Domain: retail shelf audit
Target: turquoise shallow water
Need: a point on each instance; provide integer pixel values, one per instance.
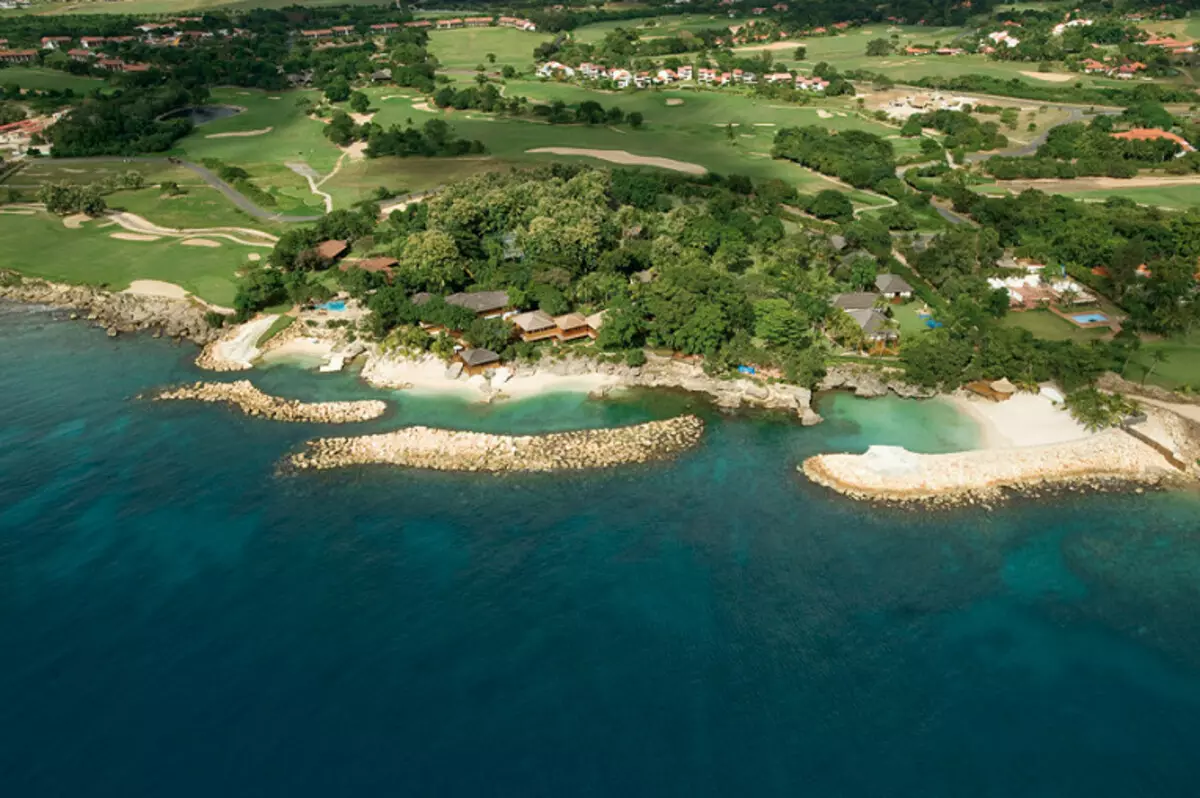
(176, 618)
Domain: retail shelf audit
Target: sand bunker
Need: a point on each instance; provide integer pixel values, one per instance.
(17, 212)
(625, 158)
(764, 124)
(424, 106)
(824, 114)
(199, 242)
(156, 288)
(254, 256)
(674, 101)
(75, 220)
(238, 134)
(1052, 77)
(356, 151)
(133, 237)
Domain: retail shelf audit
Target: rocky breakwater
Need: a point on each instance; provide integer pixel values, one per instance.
(253, 402)
(115, 312)
(894, 474)
(451, 450)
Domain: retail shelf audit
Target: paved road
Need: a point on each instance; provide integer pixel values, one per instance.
(1074, 114)
(236, 197)
(208, 176)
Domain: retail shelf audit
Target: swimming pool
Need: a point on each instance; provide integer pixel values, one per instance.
(1089, 318)
(336, 307)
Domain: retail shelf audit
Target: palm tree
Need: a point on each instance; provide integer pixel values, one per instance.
(1157, 357)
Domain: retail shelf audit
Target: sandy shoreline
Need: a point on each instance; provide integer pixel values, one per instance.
(1026, 419)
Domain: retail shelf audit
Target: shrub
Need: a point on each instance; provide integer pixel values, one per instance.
(635, 358)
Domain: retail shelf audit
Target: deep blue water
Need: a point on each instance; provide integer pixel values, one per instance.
(176, 619)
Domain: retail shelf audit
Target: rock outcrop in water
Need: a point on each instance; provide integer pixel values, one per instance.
(451, 450)
(253, 402)
(870, 382)
(116, 312)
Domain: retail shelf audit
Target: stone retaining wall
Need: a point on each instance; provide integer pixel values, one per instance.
(253, 402)
(451, 450)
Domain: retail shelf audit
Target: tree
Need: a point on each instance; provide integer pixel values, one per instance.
(879, 47)
(508, 72)
(831, 204)
(1157, 358)
(623, 327)
(431, 260)
(800, 53)
(337, 90)
(635, 119)
(781, 325)
(491, 58)
(493, 334)
(359, 102)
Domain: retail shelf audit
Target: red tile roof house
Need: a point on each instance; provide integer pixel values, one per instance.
(381, 265)
(1151, 134)
(420, 23)
(81, 55)
(477, 22)
(385, 26)
(332, 250)
(54, 42)
(1092, 66)
(319, 33)
(446, 24)
(343, 30)
(17, 56)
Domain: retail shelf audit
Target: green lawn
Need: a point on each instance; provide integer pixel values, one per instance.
(906, 316)
(41, 246)
(848, 51)
(467, 48)
(1045, 324)
(1178, 197)
(201, 206)
(693, 131)
(662, 26)
(42, 78)
(174, 6)
(1182, 366)
(48, 170)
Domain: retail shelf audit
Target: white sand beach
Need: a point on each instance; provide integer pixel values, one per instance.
(430, 375)
(1027, 419)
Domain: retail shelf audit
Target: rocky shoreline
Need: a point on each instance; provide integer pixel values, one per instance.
(115, 312)
(452, 450)
(893, 475)
(253, 402)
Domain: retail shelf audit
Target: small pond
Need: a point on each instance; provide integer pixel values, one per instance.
(203, 114)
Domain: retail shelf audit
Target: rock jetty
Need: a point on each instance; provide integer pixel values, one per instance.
(115, 312)
(894, 474)
(253, 402)
(451, 450)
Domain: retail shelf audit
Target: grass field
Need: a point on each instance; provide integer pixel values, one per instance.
(1044, 324)
(1181, 368)
(40, 245)
(294, 137)
(1172, 196)
(42, 78)
(659, 27)
(848, 51)
(201, 206)
(174, 6)
(467, 48)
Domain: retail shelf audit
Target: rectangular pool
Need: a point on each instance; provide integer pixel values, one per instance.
(1089, 318)
(337, 306)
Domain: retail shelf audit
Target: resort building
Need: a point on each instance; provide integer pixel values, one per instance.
(333, 249)
(893, 287)
(534, 326)
(858, 300)
(477, 22)
(876, 327)
(385, 27)
(485, 304)
(477, 361)
(382, 265)
(54, 42)
(447, 24)
(17, 57)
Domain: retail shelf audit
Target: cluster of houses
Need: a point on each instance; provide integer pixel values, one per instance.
(529, 326)
(624, 78)
(1174, 46)
(1125, 71)
(864, 307)
(915, 104)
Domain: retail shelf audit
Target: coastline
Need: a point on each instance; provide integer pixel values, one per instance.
(250, 400)
(115, 311)
(1041, 452)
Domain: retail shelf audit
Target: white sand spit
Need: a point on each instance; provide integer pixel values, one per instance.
(1050, 77)
(200, 242)
(238, 134)
(156, 288)
(624, 158)
(75, 221)
(133, 236)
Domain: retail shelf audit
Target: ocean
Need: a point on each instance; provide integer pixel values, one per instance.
(177, 617)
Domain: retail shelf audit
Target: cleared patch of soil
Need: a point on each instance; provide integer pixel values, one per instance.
(625, 158)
